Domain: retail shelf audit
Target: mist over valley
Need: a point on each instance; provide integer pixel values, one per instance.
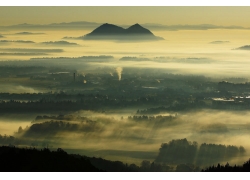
(148, 97)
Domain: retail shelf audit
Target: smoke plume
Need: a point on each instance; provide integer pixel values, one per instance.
(119, 72)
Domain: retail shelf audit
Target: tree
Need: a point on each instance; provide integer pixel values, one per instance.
(20, 129)
(145, 165)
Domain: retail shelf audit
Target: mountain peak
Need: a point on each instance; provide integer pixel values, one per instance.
(111, 31)
(137, 25)
(107, 29)
(138, 29)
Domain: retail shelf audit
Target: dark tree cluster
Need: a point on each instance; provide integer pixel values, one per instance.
(177, 151)
(51, 128)
(182, 151)
(211, 153)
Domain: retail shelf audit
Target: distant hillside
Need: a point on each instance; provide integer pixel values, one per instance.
(246, 47)
(112, 32)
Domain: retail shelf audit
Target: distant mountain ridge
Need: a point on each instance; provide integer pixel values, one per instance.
(91, 25)
(112, 32)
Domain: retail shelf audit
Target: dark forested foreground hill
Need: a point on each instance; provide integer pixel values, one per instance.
(33, 160)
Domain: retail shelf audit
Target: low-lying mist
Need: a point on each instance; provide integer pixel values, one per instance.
(12, 88)
(88, 130)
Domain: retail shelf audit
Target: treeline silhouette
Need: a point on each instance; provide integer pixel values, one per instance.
(64, 120)
(145, 118)
(61, 117)
(183, 151)
(228, 168)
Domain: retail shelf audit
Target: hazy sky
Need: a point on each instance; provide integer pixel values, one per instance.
(127, 15)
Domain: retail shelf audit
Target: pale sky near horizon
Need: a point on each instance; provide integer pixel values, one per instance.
(167, 15)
